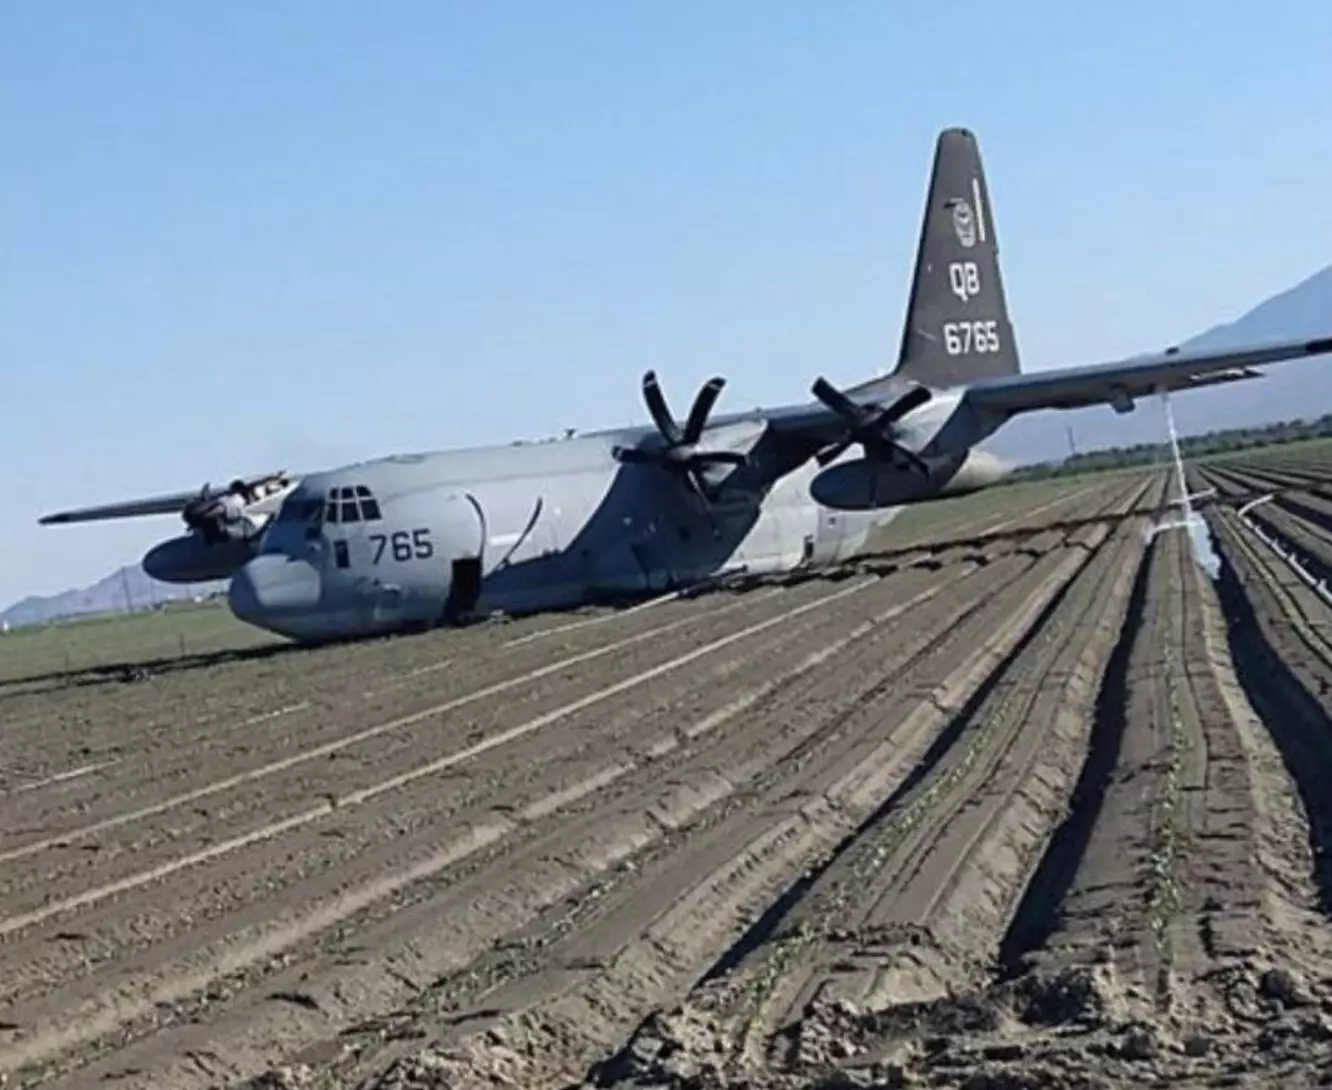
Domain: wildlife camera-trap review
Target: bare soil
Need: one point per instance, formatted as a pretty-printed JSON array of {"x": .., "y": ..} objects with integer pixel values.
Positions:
[{"x": 1024, "y": 801}]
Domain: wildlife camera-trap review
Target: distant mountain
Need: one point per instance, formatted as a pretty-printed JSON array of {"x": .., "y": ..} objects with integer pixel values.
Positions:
[
  {"x": 128, "y": 587},
  {"x": 1285, "y": 391}
]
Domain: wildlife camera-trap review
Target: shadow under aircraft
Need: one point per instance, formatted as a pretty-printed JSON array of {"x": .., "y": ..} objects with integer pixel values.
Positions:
[{"x": 413, "y": 541}]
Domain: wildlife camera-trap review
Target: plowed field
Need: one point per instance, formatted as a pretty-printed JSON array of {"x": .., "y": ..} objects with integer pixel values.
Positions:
[{"x": 1023, "y": 801}]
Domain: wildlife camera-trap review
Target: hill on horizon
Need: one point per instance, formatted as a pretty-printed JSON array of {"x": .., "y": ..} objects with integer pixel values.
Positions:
[
  {"x": 1296, "y": 391},
  {"x": 124, "y": 589}
]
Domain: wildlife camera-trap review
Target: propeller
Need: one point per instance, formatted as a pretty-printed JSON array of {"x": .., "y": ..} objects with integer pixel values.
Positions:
[
  {"x": 872, "y": 425},
  {"x": 219, "y": 515},
  {"x": 679, "y": 452}
]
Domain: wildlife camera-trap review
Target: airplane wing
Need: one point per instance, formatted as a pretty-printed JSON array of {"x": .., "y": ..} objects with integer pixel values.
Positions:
[
  {"x": 1109, "y": 383},
  {"x": 170, "y": 503},
  {"x": 166, "y": 504}
]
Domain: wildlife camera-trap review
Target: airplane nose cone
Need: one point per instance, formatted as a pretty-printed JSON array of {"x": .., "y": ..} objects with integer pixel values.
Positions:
[{"x": 272, "y": 586}]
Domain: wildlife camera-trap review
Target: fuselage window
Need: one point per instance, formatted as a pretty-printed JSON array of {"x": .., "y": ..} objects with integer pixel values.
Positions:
[{"x": 340, "y": 556}]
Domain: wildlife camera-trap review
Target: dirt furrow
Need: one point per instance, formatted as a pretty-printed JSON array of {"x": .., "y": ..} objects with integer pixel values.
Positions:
[
  {"x": 134, "y": 734},
  {"x": 709, "y": 722},
  {"x": 901, "y": 914},
  {"x": 560, "y": 1012},
  {"x": 1283, "y": 665},
  {"x": 180, "y": 771},
  {"x": 282, "y": 894},
  {"x": 47, "y": 870},
  {"x": 518, "y": 770},
  {"x": 920, "y": 903},
  {"x": 351, "y": 808},
  {"x": 80, "y": 831},
  {"x": 119, "y": 710},
  {"x": 1183, "y": 947}
]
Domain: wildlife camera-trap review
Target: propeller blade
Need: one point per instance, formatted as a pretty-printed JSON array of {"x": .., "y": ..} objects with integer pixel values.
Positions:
[
  {"x": 702, "y": 408},
  {"x": 914, "y": 398},
  {"x": 871, "y": 427},
  {"x": 679, "y": 453},
  {"x": 842, "y": 405},
  {"x": 656, "y": 403}
]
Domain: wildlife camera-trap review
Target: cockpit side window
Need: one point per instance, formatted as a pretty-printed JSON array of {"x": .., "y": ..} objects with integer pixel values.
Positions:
[{"x": 300, "y": 510}]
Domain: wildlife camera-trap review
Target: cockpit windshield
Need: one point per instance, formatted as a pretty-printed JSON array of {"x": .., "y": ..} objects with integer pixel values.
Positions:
[{"x": 351, "y": 504}]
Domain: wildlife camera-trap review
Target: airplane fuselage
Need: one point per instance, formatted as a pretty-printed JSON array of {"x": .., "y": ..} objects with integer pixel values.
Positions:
[{"x": 418, "y": 540}]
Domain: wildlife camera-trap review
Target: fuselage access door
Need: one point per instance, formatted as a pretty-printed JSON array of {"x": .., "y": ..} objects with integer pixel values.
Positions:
[{"x": 463, "y": 543}]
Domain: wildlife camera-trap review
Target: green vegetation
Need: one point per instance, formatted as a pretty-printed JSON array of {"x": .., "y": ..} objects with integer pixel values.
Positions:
[
  {"x": 112, "y": 639},
  {"x": 1310, "y": 434}
]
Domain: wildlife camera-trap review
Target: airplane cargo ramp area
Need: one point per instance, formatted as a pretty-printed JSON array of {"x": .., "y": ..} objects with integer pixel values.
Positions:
[{"x": 1026, "y": 800}]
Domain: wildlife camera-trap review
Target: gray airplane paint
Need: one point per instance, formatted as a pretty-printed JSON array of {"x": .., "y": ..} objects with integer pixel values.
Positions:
[{"x": 412, "y": 541}]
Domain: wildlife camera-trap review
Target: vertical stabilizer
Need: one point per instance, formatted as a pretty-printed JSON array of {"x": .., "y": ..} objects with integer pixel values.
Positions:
[{"x": 957, "y": 327}]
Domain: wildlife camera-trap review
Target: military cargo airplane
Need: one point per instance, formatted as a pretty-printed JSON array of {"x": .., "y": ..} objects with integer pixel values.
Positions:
[{"x": 412, "y": 541}]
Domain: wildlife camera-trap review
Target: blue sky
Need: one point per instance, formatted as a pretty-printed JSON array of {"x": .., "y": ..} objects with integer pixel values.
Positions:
[{"x": 241, "y": 236}]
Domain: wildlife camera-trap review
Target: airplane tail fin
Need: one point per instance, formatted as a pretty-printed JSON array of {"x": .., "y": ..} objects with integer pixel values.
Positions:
[{"x": 957, "y": 328}]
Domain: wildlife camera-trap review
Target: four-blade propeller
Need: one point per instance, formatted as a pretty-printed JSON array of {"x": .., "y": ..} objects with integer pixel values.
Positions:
[
  {"x": 679, "y": 450},
  {"x": 872, "y": 426}
]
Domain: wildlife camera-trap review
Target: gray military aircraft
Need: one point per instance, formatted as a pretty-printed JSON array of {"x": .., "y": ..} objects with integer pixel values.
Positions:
[{"x": 412, "y": 541}]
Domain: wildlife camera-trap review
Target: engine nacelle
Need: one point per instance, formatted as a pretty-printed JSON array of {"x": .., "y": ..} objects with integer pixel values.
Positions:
[
  {"x": 189, "y": 559},
  {"x": 864, "y": 485}
]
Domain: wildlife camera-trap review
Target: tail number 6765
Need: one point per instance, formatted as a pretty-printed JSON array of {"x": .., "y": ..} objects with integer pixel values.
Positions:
[
  {"x": 403, "y": 545},
  {"x": 963, "y": 338}
]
